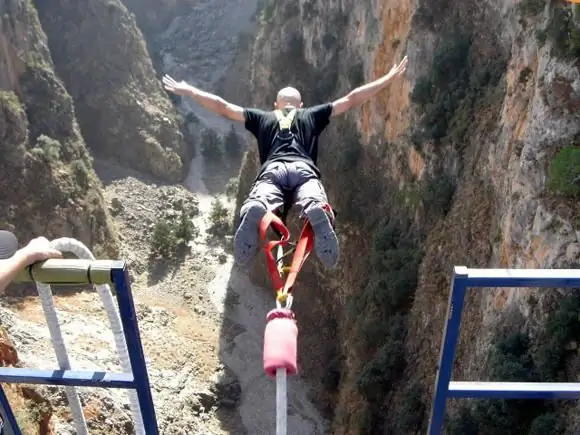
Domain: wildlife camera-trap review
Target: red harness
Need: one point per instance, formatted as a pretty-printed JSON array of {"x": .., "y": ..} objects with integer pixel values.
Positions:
[{"x": 301, "y": 253}]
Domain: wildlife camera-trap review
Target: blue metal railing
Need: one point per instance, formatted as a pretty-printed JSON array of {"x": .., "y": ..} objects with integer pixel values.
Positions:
[
  {"x": 138, "y": 380},
  {"x": 464, "y": 278}
]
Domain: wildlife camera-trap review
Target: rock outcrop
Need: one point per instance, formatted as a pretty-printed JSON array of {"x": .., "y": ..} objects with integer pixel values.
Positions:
[
  {"x": 47, "y": 182},
  {"x": 33, "y": 412},
  {"x": 449, "y": 166},
  {"x": 154, "y": 17},
  {"x": 123, "y": 111}
]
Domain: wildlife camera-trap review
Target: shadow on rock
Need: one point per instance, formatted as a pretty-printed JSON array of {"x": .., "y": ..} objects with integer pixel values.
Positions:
[{"x": 160, "y": 267}]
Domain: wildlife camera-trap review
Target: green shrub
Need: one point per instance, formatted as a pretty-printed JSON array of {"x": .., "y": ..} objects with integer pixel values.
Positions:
[
  {"x": 233, "y": 145},
  {"x": 329, "y": 40},
  {"x": 163, "y": 241},
  {"x": 385, "y": 301},
  {"x": 525, "y": 74},
  {"x": 512, "y": 359},
  {"x": 310, "y": 11},
  {"x": 175, "y": 99},
  {"x": 440, "y": 92},
  {"x": 379, "y": 374},
  {"x": 266, "y": 9},
  {"x": 185, "y": 230},
  {"x": 449, "y": 93},
  {"x": 356, "y": 73},
  {"x": 173, "y": 232},
  {"x": 464, "y": 423},
  {"x": 438, "y": 194},
  {"x": 548, "y": 423},
  {"x": 80, "y": 173},
  {"x": 295, "y": 46},
  {"x": 531, "y": 8},
  {"x": 565, "y": 172},
  {"x": 562, "y": 329},
  {"x": 220, "y": 224},
  {"x": 211, "y": 146},
  {"x": 352, "y": 150},
  {"x": 410, "y": 414},
  {"x": 563, "y": 31},
  {"x": 50, "y": 149},
  {"x": 191, "y": 118},
  {"x": 333, "y": 374}
]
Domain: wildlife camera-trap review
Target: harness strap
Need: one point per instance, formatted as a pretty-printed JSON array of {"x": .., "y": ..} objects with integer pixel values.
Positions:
[
  {"x": 285, "y": 121},
  {"x": 301, "y": 252}
]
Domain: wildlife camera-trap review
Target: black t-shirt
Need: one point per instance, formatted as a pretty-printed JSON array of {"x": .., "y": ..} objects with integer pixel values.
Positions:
[{"x": 307, "y": 126}]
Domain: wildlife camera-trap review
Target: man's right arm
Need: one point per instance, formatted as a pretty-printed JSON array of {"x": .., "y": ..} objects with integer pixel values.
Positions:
[
  {"x": 207, "y": 100},
  {"x": 217, "y": 104}
]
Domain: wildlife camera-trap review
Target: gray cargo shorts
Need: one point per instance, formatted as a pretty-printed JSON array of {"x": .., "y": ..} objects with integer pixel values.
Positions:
[{"x": 294, "y": 176}]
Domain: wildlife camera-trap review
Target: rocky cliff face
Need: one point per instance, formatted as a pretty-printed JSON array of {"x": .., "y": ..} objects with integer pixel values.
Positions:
[
  {"x": 452, "y": 165},
  {"x": 94, "y": 68},
  {"x": 122, "y": 108},
  {"x": 47, "y": 182}
]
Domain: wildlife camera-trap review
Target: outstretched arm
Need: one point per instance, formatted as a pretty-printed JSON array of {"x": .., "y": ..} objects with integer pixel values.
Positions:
[
  {"x": 211, "y": 102},
  {"x": 37, "y": 250},
  {"x": 364, "y": 93}
]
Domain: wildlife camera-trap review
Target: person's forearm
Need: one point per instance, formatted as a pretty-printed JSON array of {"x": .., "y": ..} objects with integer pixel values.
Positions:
[
  {"x": 369, "y": 90},
  {"x": 9, "y": 268},
  {"x": 209, "y": 101}
]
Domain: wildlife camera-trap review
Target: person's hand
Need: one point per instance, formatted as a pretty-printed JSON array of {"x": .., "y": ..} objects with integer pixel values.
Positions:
[
  {"x": 37, "y": 250},
  {"x": 399, "y": 69},
  {"x": 178, "y": 88}
]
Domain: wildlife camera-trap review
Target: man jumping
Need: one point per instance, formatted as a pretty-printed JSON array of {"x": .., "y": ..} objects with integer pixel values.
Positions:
[{"x": 288, "y": 149}]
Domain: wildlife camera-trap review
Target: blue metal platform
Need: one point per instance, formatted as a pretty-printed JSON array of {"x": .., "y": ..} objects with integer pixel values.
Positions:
[
  {"x": 138, "y": 381},
  {"x": 464, "y": 278}
]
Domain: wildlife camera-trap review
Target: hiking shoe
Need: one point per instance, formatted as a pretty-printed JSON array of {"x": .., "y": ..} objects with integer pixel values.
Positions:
[
  {"x": 325, "y": 240},
  {"x": 246, "y": 239}
]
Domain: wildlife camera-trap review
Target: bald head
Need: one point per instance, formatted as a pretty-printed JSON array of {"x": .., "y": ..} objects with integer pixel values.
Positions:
[{"x": 288, "y": 97}]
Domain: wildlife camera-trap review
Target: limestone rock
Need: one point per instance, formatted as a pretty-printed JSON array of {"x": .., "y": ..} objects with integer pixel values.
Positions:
[{"x": 123, "y": 111}]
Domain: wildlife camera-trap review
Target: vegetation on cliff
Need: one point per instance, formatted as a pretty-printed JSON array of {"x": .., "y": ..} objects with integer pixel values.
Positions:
[
  {"x": 518, "y": 356},
  {"x": 381, "y": 333},
  {"x": 47, "y": 180},
  {"x": 122, "y": 109},
  {"x": 454, "y": 89},
  {"x": 422, "y": 219},
  {"x": 565, "y": 171},
  {"x": 50, "y": 187}
]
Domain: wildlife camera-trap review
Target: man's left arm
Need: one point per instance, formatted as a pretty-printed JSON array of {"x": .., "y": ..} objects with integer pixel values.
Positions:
[{"x": 362, "y": 94}]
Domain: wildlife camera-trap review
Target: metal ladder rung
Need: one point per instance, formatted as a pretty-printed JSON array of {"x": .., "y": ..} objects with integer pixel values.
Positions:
[
  {"x": 515, "y": 390},
  {"x": 463, "y": 279},
  {"x": 72, "y": 378}
]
